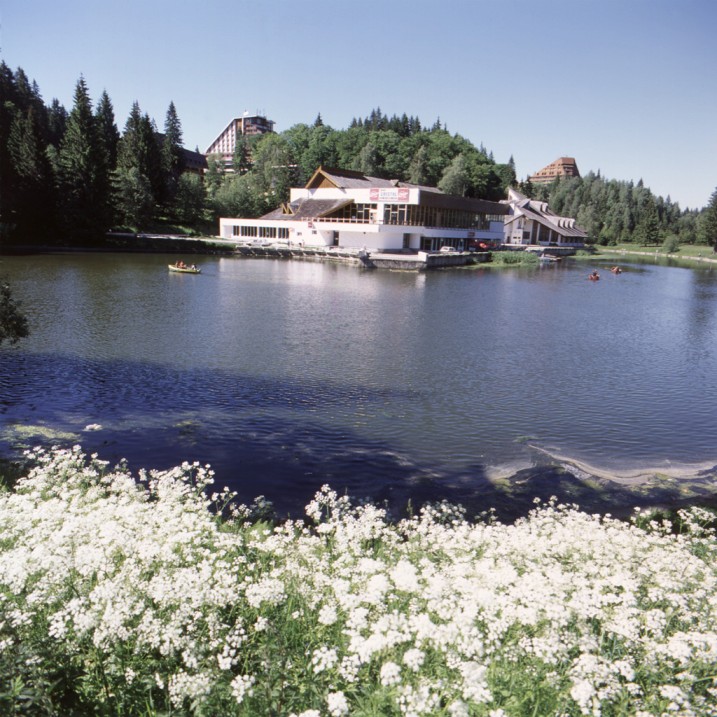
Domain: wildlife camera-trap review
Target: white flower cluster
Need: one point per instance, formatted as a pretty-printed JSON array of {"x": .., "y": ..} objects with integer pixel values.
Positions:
[{"x": 143, "y": 583}]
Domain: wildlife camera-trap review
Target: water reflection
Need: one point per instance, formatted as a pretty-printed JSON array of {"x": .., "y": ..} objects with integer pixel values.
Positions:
[{"x": 287, "y": 375}]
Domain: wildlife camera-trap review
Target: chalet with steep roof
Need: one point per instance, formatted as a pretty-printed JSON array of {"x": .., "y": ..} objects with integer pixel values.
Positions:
[
  {"x": 532, "y": 222},
  {"x": 348, "y": 209}
]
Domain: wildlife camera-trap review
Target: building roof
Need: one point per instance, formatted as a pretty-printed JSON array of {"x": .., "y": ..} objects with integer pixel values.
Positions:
[
  {"x": 349, "y": 179},
  {"x": 539, "y": 212},
  {"x": 325, "y": 177},
  {"x": 307, "y": 209}
]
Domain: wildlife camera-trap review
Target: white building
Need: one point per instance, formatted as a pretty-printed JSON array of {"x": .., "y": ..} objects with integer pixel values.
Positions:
[
  {"x": 350, "y": 210},
  {"x": 531, "y": 222}
]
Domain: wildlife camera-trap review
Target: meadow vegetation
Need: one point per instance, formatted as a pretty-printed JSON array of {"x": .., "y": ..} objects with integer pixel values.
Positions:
[{"x": 150, "y": 594}]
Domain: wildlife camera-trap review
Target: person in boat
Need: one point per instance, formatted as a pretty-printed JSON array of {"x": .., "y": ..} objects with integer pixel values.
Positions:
[{"x": 181, "y": 265}]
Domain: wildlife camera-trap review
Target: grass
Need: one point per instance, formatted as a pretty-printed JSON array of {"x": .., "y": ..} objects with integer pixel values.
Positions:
[{"x": 688, "y": 251}]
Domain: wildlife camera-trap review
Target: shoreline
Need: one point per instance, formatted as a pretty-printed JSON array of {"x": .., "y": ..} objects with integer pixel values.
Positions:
[{"x": 632, "y": 477}]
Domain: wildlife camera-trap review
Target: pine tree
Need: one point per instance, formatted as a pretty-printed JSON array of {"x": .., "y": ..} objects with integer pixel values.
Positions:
[
  {"x": 708, "y": 222},
  {"x": 107, "y": 129},
  {"x": 83, "y": 179},
  {"x": 33, "y": 198},
  {"x": 648, "y": 229},
  {"x": 57, "y": 123},
  {"x": 128, "y": 152},
  {"x": 172, "y": 156},
  {"x": 139, "y": 148}
]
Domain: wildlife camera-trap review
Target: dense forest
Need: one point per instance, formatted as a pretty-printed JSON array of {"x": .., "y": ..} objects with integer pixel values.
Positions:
[{"x": 70, "y": 176}]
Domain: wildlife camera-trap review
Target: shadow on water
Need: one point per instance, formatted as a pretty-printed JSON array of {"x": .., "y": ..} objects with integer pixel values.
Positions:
[{"x": 275, "y": 437}]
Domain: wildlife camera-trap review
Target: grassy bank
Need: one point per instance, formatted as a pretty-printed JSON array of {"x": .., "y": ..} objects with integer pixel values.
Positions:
[
  {"x": 130, "y": 597},
  {"x": 687, "y": 250},
  {"x": 695, "y": 252}
]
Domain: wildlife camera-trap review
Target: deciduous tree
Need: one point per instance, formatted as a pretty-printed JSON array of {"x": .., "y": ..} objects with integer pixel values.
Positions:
[{"x": 13, "y": 323}]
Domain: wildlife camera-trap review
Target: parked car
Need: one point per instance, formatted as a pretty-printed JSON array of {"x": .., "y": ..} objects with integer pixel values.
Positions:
[{"x": 447, "y": 248}]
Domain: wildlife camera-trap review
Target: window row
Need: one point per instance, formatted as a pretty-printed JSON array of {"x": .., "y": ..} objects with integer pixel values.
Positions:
[
  {"x": 243, "y": 230},
  {"x": 413, "y": 215}
]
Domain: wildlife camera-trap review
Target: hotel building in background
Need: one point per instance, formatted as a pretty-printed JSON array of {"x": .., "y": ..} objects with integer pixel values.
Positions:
[
  {"x": 248, "y": 126},
  {"x": 562, "y": 167}
]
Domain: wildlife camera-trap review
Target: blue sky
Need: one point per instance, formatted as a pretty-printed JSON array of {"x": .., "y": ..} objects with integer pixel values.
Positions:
[{"x": 627, "y": 87}]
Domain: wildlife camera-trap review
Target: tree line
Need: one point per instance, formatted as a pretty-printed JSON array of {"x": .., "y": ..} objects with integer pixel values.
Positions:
[
  {"x": 379, "y": 146},
  {"x": 73, "y": 175},
  {"x": 616, "y": 212}
]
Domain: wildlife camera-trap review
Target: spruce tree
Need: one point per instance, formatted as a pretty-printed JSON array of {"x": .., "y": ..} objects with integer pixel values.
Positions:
[
  {"x": 57, "y": 123},
  {"x": 33, "y": 198},
  {"x": 128, "y": 153},
  {"x": 708, "y": 222},
  {"x": 83, "y": 180},
  {"x": 8, "y": 178},
  {"x": 107, "y": 129},
  {"x": 139, "y": 149},
  {"x": 172, "y": 158}
]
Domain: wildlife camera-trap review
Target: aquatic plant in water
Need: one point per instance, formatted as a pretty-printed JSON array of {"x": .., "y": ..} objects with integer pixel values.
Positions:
[{"x": 127, "y": 595}]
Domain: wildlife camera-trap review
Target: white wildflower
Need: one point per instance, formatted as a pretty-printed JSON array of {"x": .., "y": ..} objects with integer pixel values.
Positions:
[
  {"x": 242, "y": 686},
  {"x": 458, "y": 709},
  {"x": 414, "y": 658},
  {"x": 327, "y": 615},
  {"x": 390, "y": 674},
  {"x": 337, "y": 704},
  {"x": 324, "y": 658}
]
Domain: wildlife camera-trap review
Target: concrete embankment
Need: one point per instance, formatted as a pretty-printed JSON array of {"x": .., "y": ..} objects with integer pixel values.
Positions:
[{"x": 399, "y": 260}]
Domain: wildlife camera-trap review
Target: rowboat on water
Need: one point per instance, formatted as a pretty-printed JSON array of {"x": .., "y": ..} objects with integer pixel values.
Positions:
[{"x": 184, "y": 269}]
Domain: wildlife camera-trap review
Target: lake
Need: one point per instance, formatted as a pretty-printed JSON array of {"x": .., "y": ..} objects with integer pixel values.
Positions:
[{"x": 481, "y": 386}]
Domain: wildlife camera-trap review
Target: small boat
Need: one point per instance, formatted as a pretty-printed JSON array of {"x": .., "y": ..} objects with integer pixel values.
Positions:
[
  {"x": 549, "y": 258},
  {"x": 184, "y": 269}
]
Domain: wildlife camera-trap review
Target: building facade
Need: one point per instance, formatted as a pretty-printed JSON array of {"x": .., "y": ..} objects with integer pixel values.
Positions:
[
  {"x": 348, "y": 209},
  {"x": 532, "y": 222},
  {"x": 248, "y": 126},
  {"x": 562, "y": 167}
]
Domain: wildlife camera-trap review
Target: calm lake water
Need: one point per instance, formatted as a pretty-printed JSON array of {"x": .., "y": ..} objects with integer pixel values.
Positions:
[{"x": 285, "y": 375}]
